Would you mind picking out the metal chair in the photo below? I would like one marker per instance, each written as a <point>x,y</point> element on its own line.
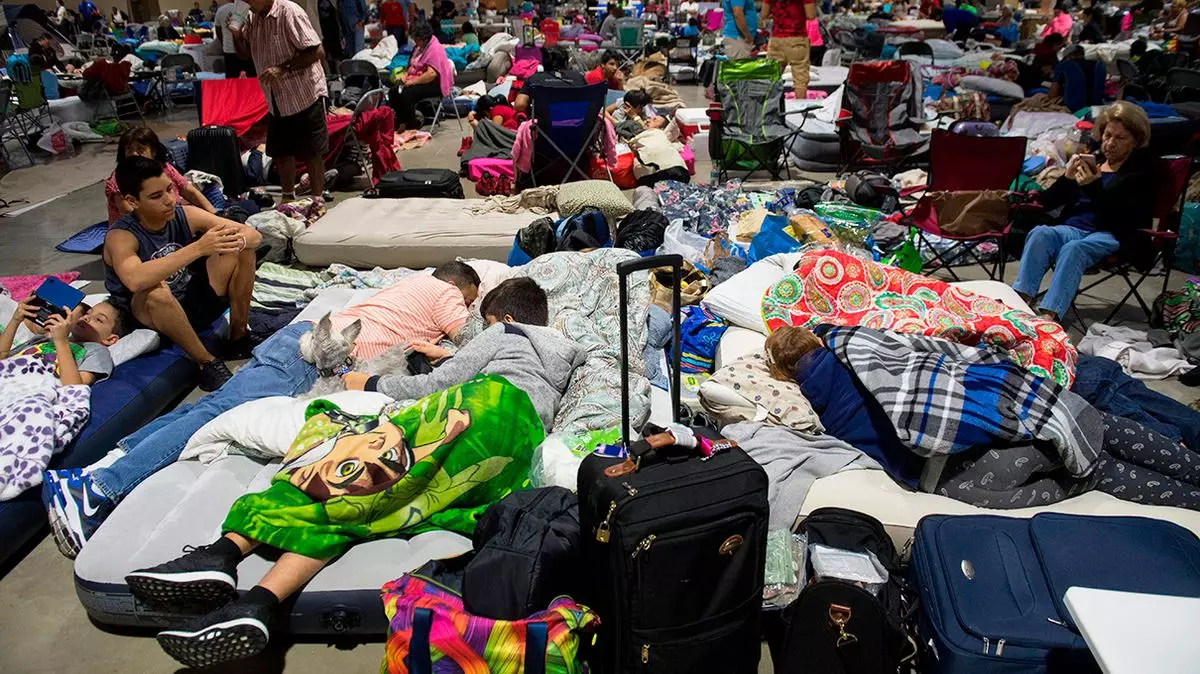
<point>631,38</point>
<point>439,108</point>
<point>368,102</point>
<point>358,78</point>
<point>176,69</point>
<point>8,128</point>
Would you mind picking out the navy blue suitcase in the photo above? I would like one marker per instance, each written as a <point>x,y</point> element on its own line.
<point>992,588</point>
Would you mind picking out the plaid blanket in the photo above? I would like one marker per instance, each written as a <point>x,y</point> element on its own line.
<point>945,398</point>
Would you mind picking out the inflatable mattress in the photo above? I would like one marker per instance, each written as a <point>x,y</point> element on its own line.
<point>136,392</point>
<point>899,509</point>
<point>816,147</point>
<point>413,233</point>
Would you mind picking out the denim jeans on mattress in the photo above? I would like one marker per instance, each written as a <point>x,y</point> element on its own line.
<point>276,369</point>
<point>1102,383</point>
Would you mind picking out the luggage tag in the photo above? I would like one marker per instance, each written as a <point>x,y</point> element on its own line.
<point>611,451</point>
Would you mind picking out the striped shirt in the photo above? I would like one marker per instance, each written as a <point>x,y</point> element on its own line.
<point>275,38</point>
<point>417,307</point>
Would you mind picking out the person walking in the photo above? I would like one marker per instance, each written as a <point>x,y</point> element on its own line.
<point>741,25</point>
<point>287,54</point>
<point>789,37</point>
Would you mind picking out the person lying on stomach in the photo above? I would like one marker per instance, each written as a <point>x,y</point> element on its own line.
<point>77,345</point>
<point>422,307</point>
<point>177,269</point>
<point>516,346</point>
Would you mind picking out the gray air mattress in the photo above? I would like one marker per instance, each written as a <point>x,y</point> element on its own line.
<point>185,503</point>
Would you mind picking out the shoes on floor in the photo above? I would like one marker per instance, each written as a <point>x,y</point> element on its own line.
<point>213,375</point>
<point>199,581</point>
<point>232,632</point>
<point>74,507</point>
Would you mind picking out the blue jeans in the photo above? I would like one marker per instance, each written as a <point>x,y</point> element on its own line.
<point>353,36</point>
<point>1072,250</point>
<point>275,370</point>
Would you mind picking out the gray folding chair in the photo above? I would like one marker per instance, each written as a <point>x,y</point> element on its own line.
<point>176,69</point>
<point>369,101</point>
<point>438,105</point>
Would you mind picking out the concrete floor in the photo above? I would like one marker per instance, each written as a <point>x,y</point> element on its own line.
<point>43,627</point>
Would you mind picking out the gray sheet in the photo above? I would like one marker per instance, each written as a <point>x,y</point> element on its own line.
<point>793,461</point>
<point>491,141</point>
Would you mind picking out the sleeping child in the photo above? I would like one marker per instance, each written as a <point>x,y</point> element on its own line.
<point>435,464</point>
<point>496,109</point>
<point>1135,464</point>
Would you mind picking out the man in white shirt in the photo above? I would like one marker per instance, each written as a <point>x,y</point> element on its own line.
<point>234,64</point>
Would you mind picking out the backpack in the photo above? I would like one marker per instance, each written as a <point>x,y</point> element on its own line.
<point>641,231</point>
<point>586,231</point>
<point>428,624</point>
<point>873,190</point>
<point>838,627</point>
<point>526,554</point>
<point>536,238</point>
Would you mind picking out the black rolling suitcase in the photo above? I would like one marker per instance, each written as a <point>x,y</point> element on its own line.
<point>431,183</point>
<point>674,540</point>
<point>214,149</point>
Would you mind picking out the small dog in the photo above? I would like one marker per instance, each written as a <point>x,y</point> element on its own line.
<point>332,354</point>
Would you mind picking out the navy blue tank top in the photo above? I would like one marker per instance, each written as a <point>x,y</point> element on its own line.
<point>151,246</point>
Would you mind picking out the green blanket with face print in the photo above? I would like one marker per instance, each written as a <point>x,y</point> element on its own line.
<point>436,464</point>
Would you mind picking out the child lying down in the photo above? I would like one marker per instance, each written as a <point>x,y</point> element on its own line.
<point>436,464</point>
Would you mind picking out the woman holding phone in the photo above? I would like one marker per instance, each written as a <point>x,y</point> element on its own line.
<point>1107,198</point>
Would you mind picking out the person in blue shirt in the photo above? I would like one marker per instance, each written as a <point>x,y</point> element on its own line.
<point>741,25</point>
<point>88,14</point>
<point>692,29</point>
<point>353,14</point>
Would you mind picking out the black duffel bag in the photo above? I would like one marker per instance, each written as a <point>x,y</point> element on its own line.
<point>431,183</point>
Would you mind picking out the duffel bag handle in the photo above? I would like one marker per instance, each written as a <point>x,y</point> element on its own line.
<point>420,661</point>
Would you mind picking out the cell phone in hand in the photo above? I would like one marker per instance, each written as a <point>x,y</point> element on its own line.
<point>54,297</point>
<point>1089,159</point>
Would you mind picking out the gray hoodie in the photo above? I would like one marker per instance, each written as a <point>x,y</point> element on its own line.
<point>537,360</point>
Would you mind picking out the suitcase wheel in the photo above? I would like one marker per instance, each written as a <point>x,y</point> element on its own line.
<point>341,619</point>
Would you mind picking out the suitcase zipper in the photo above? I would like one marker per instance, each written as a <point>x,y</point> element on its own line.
<point>643,546</point>
<point>645,654</point>
<point>604,531</point>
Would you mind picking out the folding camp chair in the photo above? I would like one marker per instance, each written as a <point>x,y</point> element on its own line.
<point>362,156</point>
<point>177,69</point>
<point>749,133</point>
<point>358,77</point>
<point>9,130</point>
<point>959,162</point>
<point>631,39</point>
<point>567,132</point>
<point>881,117</point>
<point>682,54</point>
<point>1173,172</point>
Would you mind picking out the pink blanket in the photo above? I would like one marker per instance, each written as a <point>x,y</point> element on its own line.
<point>20,287</point>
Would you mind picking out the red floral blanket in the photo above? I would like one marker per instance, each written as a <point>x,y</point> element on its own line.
<point>840,289</point>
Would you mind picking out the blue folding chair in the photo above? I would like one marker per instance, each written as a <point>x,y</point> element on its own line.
<point>567,132</point>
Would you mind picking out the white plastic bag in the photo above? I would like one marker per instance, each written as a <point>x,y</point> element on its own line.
<point>54,140</point>
<point>81,132</point>
<point>678,240</point>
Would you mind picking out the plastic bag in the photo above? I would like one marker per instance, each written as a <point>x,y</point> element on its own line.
<point>861,568</point>
<point>81,131</point>
<point>687,244</point>
<point>54,140</point>
<point>555,462</point>
<point>786,570</point>
<point>771,239</point>
<point>906,257</point>
<point>851,224</point>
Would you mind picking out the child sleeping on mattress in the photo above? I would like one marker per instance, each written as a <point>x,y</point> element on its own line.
<point>434,465</point>
<point>516,346</point>
<point>1136,464</point>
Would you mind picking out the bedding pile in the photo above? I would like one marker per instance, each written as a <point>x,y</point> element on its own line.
<point>38,418</point>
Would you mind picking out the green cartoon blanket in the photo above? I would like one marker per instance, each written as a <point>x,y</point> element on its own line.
<point>437,464</point>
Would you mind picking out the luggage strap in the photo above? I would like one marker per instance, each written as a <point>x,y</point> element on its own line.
<point>420,661</point>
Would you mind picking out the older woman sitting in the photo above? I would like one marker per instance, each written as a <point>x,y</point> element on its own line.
<point>430,75</point>
<point>1106,200</point>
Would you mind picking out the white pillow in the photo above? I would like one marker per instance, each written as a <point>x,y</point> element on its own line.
<point>136,343</point>
<point>993,85</point>
<point>739,299</point>
<point>491,273</point>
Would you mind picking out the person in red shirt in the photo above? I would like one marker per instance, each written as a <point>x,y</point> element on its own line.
<point>609,71</point>
<point>789,37</point>
<point>393,14</point>
<point>497,109</point>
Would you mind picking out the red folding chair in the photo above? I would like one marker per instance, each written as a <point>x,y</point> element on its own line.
<point>1172,175</point>
<point>880,122</point>
<point>959,162</point>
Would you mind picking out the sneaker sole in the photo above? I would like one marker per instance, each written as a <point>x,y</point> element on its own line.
<point>193,592</point>
<point>65,526</point>
<point>64,537</point>
<point>216,644</point>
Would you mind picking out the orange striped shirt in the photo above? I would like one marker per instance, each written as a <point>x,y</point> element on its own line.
<point>418,307</point>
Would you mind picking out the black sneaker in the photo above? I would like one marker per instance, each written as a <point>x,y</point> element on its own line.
<point>213,375</point>
<point>232,632</point>
<point>199,581</point>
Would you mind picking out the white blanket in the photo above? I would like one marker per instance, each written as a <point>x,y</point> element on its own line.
<point>38,418</point>
<point>1133,351</point>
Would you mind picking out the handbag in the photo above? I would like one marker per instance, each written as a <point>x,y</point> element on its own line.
<point>427,623</point>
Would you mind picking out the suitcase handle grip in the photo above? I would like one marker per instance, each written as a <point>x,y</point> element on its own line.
<point>624,269</point>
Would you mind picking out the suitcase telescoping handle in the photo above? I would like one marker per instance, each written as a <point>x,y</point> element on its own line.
<point>624,269</point>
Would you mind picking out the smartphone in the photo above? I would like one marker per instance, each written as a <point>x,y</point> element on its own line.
<point>54,297</point>
<point>1089,159</point>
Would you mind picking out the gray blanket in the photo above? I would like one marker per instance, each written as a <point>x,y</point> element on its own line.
<point>793,461</point>
<point>491,141</point>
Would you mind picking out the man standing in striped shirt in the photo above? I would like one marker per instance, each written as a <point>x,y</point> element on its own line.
<point>287,54</point>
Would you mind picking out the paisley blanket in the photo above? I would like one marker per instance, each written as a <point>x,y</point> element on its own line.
<point>435,464</point>
<point>38,418</point>
<point>829,287</point>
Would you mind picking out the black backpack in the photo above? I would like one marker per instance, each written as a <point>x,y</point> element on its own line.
<point>837,627</point>
<point>641,231</point>
<point>526,554</point>
<point>873,190</point>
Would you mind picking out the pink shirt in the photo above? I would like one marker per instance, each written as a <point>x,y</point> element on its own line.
<point>275,38</point>
<point>1060,24</point>
<point>113,193</point>
<point>418,307</point>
